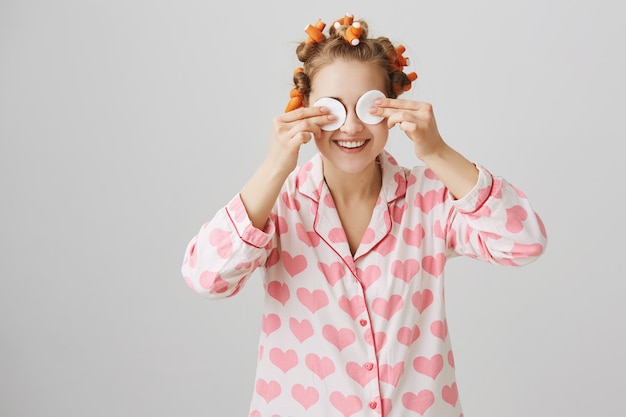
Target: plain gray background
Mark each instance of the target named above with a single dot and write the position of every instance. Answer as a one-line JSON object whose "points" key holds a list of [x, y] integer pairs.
{"points": [[124, 125]]}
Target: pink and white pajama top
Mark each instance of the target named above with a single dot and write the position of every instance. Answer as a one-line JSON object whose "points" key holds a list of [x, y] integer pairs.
{"points": [[362, 335]]}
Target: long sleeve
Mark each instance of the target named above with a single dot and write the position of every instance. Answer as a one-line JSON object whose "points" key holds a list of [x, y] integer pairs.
{"points": [[225, 252], [496, 223]]}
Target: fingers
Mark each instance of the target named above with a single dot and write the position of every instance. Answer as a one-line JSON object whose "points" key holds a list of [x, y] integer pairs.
{"points": [[387, 106], [304, 113], [305, 137], [303, 124], [400, 111]]}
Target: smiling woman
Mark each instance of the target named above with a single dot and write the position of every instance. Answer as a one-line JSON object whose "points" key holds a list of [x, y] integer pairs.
{"points": [[125, 125], [352, 246]]}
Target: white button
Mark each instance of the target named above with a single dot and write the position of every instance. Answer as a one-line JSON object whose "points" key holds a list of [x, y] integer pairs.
{"points": [[365, 103], [335, 107]]}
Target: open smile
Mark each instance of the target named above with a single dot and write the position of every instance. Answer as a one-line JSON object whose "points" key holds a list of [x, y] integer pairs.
{"points": [[351, 144]]}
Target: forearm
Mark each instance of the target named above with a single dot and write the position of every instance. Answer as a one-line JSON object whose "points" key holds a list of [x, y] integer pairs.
{"points": [[261, 191], [457, 173]]}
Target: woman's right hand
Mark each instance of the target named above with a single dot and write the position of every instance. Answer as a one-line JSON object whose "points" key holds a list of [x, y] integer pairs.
{"points": [[292, 129], [289, 131]]}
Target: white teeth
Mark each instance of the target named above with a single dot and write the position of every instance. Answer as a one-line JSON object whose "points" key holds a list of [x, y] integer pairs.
{"points": [[350, 144]]}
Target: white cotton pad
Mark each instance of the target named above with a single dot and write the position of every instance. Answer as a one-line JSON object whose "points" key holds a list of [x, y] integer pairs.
{"points": [[335, 107], [365, 103]]}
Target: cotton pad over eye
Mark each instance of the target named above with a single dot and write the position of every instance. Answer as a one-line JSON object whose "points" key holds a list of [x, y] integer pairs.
{"points": [[335, 107], [365, 103]]}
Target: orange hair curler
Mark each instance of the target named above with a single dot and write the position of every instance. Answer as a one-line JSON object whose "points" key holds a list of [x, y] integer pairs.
{"points": [[315, 32], [353, 33], [295, 101], [412, 77], [346, 20], [400, 62]]}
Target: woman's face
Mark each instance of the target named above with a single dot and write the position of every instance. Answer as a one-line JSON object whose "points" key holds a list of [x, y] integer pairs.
{"points": [[354, 146]]}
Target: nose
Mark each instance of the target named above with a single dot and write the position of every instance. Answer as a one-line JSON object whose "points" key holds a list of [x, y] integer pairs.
{"points": [[352, 124]]}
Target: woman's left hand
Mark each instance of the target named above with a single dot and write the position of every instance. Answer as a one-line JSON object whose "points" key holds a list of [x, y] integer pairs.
{"points": [[416, 119]]}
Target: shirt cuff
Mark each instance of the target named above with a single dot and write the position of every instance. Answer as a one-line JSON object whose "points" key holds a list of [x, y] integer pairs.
{"points": [[238, 215], [478, 196]]}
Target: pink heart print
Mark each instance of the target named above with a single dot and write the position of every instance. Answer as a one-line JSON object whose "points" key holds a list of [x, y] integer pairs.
{"points": [[387, 308], [430, 367], [521, 250], [451, 358], [302, 330], [422, 299], [361, 374], [385, 406], [378, 340], [213, 282], [293, 265], [340, 338], [369, 275], [284, 360], [414, 236], [398, 211], [450, 394], [405, 270], [407, 335], [268, 390], [515, 217], [220, 239], [273, 258], [430, 174], [368, 236], [278, 291], [438, 230], [387, 245], [333, 272], [439, 329], [354, 307], [391, 374], [270, 323], [322, 367], [337, 235], [308, 238], [290, 202], [282, 226], [305, 396], [312, 300], [420, 402], [427, 201], [347, 406], [434, 264], [328, 201]]}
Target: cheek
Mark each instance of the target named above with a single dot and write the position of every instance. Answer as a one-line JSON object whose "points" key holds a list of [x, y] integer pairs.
{"points": [[381, 131], [323, 139]]}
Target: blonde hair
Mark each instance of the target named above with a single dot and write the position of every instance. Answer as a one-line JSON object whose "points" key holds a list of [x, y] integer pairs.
{"points": [[379, 52]]}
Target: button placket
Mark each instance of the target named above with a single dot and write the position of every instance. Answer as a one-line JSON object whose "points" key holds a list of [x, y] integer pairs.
{"points": [[372, 389]]}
